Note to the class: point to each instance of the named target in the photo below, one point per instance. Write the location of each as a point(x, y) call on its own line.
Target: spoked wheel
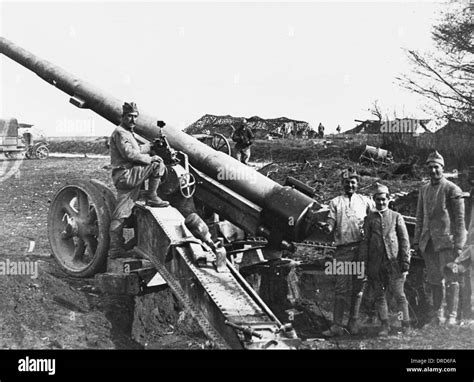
point(187, 185)
point(78, 229)
point(220, 143)
point(41, 152)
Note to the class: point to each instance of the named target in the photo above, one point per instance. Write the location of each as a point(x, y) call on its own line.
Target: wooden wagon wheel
point(220, 143)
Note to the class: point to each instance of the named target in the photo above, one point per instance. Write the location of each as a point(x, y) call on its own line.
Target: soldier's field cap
point(381, 189)
point(349, 173)
point(435, 157)
point(130, 107)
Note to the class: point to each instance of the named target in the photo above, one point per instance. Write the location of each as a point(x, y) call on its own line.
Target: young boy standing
point(386, 251)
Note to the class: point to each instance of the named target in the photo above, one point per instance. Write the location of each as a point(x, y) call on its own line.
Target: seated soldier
point(131, 166)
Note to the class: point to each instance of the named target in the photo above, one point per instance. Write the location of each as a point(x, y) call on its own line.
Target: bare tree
point(446, 77)
point(375, 110)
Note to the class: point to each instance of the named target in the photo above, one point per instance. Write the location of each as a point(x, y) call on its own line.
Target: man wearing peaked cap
point(440, 235)
point(381, 189)
point(130, 107)
point(386, 251)
point(132, 164)
point(345, 219)
point(435, 157)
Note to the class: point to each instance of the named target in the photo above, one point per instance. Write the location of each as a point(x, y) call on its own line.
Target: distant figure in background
point(321, 130)
point(346, 218)
point(440, 235)
point(385, 249)
point(338, 129)
point(243, 138)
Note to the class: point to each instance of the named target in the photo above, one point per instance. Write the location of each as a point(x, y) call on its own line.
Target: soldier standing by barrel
point(346, 219)
point(131, 166)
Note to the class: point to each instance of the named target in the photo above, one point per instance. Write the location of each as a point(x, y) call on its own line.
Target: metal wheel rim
point(42, 152)
point(187, 185)
point(78, 228)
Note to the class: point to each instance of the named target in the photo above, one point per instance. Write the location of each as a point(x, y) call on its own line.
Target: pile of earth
point(261, 127)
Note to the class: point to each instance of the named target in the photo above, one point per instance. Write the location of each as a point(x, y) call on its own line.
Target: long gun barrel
point(286, 213)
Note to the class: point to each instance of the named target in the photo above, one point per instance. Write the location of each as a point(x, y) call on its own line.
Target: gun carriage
point(195, 262)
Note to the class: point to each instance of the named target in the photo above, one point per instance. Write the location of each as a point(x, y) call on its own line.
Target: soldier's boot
point(152, 198)
point(452, 300)
point(406, 328)
point(359, 288)
point(336, 329)
point(440, 316)
point(438, 309)
point(385, 329)
point(405, 317)
point(354, 322)
point(142, 194)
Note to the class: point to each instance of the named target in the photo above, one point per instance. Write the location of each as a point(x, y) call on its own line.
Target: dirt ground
point(55, 311)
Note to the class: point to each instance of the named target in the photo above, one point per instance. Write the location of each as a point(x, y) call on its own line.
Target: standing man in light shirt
point(346, 218)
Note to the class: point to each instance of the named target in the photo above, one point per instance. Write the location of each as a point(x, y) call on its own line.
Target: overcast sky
point(313, 61)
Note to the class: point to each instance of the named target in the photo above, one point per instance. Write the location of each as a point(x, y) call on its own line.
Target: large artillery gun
point(228, 310)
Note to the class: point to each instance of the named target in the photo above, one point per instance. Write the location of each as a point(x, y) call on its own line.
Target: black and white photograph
point(193, 180)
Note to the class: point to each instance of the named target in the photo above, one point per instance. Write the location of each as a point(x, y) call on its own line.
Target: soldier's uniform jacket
point(440, 216)
point(243, 137)
point(125, 152)
point(386, 238)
